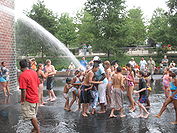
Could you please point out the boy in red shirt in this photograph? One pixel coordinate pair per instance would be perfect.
(28, 84)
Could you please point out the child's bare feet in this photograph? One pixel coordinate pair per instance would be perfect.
(33, 130)
(146, 116)
(158, 116)
(41, 105)
(10, 94)
(49, 99)
(140, 115)
(122, 115)
(53, 99)
(147, 106)
(174, 122)
(101, 112)
(112, 116)
(132, 109)
(84, 115)
(66, 108)
(88, 113)
(44, 103)
(93, 112)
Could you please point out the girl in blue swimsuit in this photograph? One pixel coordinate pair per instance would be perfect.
(4, 78)
(172, 98)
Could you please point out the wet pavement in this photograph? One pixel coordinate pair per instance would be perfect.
(53, 119)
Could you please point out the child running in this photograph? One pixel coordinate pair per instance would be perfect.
(142, 95)
(65, 93)
(172, 98)
(117, 94)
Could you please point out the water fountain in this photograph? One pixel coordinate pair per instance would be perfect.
(47, 39)
(52, 117)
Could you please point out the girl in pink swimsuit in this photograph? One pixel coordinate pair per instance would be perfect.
(130, 85)
(166, 83)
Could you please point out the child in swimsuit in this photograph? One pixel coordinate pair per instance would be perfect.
(130, 85)
(65, 93)
(166, 83)
(76, 88)
(172, 98)
(142, 95)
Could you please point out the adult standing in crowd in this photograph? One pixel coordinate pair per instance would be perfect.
(143, 64)
(5, 75)
(33, 64)
(100, 75)
(165, 62)
(28, 84)
(84, 49)
(90, 49)
(71, 69)
(132, 62)
(83, 62)
(151, 66)
(50, 70)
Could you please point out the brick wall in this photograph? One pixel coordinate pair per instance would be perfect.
(7, 41)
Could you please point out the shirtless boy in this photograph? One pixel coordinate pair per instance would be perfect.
(117, 94)
(65, 93)
(85, 96)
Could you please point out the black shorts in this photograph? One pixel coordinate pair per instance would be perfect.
(50, 83)
(85, 96)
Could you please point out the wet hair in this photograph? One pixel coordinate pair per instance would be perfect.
(147, 74)
(142, 73)
(113, 62)
(119, 69)
(132, 69)
(128, 65)
(39, 65)
(2, 63)
(107, 63)
(68, 80)
(173, 75)
(97, 61)
(76, 72)
(24, 63)
(95, 65)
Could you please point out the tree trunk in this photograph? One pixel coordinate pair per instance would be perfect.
(108, 53)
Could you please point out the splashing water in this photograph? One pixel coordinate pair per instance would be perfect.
(52, 42)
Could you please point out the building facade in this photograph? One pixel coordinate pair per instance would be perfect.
(7, 40)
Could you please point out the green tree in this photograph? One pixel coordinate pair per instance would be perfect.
(43, 16)
(172, 4)
(29, 41)
(66, 30)
(85, 26)
(158, 29)
(136, 32)
(109, 20)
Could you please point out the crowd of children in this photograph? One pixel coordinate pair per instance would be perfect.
(103, 84)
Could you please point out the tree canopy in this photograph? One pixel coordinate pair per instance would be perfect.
(105, 24)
